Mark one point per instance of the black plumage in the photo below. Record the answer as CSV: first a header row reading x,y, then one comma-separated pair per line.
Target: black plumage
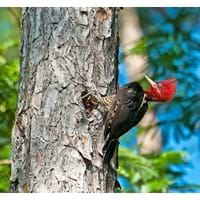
x,y
127,109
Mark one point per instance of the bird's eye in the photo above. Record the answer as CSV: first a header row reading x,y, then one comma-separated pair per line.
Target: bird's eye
x,y
160,85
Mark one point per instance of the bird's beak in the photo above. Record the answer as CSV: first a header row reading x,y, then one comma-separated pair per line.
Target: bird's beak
x,y
149,80
153,84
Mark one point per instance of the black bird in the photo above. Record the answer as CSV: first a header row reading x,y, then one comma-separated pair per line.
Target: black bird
x,y
126,110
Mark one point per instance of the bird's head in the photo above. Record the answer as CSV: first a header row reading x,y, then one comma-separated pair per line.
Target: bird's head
x,y
161,91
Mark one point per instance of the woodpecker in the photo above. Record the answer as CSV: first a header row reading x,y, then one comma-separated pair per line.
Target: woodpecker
x,y
127,108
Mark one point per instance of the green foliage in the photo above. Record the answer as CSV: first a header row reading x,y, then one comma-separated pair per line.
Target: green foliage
x,y
9,75
4,178
149,173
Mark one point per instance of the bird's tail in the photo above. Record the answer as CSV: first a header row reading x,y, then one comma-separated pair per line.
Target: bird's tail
x,y
109,150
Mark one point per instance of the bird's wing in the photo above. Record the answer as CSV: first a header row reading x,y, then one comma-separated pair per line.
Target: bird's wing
x,y
126,101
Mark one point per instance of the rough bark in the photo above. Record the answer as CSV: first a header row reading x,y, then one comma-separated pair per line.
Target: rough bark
x,y
56,144
130,33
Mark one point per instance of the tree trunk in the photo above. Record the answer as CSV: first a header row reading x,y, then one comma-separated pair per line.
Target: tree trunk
x,y
56,143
